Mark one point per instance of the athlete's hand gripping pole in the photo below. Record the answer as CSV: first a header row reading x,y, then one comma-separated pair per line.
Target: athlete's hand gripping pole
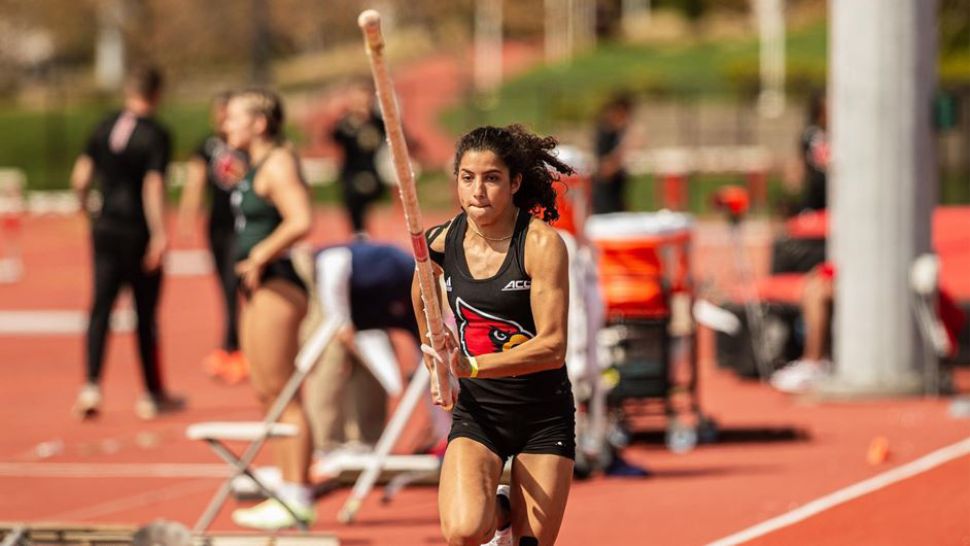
x,y
370,24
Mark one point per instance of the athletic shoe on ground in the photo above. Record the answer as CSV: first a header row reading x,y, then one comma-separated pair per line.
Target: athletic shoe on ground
x,y
620,467
150,406
271,515
270,476
801,376
502,537
88,402
328,464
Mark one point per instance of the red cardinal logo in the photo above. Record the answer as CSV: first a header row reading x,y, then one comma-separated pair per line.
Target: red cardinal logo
x,y
482,333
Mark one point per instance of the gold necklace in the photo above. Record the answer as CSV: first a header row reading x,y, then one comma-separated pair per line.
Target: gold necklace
x,y
483,236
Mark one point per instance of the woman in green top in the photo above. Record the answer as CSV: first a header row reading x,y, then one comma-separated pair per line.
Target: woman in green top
x,y
272,207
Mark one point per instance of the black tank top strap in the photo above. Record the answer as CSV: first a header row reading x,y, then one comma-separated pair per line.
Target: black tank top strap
x,y
431,235
518,238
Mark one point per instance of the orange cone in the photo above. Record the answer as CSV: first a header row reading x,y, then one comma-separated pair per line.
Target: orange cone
x,y
878,450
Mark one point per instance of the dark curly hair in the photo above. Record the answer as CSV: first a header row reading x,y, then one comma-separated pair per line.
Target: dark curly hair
x,y
526,154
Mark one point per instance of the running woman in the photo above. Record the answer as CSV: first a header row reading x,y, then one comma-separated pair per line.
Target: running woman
x,y
127,154
507,283
272,207
216,167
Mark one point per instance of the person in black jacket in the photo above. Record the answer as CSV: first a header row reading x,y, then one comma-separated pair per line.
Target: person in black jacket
x,y
127,154
360,134
216,167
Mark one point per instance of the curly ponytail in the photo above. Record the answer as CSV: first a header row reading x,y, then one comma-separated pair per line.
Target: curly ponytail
x,y
524,154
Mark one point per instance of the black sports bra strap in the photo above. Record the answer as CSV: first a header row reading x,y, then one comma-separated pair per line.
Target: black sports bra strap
x,y
431,235
519,236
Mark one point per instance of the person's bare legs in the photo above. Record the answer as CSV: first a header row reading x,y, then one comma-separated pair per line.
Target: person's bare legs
x,y
270,324
816,299
466,493
540,489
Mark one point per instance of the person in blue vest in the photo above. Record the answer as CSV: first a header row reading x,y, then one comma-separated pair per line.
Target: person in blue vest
x,y
367,286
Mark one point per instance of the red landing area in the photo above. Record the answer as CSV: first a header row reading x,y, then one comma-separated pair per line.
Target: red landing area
x,y
776,453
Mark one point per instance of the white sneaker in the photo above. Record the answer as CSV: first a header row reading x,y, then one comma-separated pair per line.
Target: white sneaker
x,y
149,406
88,403
502,537
801,376
272,515
244,486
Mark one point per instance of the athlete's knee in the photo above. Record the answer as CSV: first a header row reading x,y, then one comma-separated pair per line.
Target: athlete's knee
x,y
267,393
465,531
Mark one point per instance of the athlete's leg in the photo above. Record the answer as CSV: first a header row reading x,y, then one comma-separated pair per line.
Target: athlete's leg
x,y
367,400
107,283
325,394
270,342
355,204
466,493
816,299
220,244
540,488
146,289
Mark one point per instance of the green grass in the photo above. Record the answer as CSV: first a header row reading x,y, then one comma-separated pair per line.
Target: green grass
x,y
45,143
572,92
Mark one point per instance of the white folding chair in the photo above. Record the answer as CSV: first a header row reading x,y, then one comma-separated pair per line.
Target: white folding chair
x,y
216,434
924,280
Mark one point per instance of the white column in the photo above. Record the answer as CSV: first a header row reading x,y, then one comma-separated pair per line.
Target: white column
x,y
488,45
109,56
771,32
882,185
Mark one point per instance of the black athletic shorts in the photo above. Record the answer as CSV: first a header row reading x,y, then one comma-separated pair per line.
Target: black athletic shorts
x,y
548,428
278,269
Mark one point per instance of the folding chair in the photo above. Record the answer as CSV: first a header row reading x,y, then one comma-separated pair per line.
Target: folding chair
x,y
924,280
257,432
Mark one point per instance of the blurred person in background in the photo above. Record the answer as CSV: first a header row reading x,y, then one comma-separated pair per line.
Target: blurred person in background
x,y
366,286
815,365
611,143
213,169
815,152
359,134
127,154
272,208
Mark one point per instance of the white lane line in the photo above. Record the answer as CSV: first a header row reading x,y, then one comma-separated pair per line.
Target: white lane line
x,y
841,496
54,322
113,470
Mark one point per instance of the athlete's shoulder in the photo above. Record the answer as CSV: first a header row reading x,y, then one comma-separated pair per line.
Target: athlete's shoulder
x,y
543,235
283,160
544,248
155,126
437,235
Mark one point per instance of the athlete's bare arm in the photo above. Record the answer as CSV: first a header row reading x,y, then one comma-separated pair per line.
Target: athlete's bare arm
x,y
81,176
546,263
279,180
153,203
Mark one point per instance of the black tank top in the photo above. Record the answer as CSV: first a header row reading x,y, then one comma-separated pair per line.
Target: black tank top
x,y
494,315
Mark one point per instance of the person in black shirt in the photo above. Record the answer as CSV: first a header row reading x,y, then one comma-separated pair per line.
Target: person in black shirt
x,y
359,134
127,154
610,177
814,146
507,283
216,167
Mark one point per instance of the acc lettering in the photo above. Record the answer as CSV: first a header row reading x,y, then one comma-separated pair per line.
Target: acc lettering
x,y
517,285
